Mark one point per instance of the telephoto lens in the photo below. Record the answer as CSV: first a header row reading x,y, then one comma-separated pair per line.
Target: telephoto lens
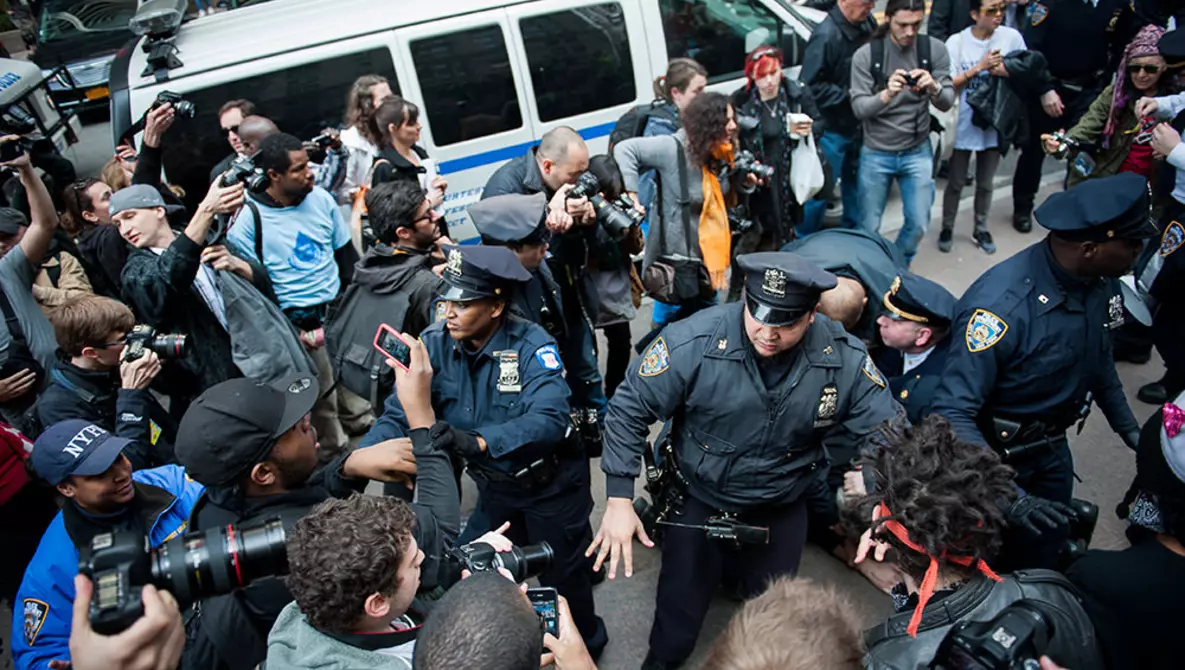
x,y
168,346
521,562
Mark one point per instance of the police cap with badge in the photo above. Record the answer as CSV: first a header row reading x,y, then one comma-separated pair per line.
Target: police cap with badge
x,y
476,272
781,287
1172,48
917,299
1118,207
511,219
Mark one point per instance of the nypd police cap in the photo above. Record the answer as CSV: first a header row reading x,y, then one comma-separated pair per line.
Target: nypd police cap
x,y
780,286
1097,210
917,299
1172,47
74,447
511,219
473,272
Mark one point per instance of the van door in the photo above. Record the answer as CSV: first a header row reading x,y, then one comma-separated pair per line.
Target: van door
x,y
585,62
467,83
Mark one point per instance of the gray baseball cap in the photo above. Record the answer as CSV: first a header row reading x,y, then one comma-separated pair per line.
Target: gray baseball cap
x,y
139,196
11,221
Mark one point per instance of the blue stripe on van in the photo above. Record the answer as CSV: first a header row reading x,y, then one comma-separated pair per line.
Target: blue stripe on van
x,y
514,151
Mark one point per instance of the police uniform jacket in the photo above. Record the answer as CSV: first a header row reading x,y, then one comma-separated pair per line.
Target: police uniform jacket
x,y
1080,40
914,390
511,392
1030,343
1073,643
42,616
738,444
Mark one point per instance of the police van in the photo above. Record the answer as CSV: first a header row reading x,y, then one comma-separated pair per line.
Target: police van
x,y
490,76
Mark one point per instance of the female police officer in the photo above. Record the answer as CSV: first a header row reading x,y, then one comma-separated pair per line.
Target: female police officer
x,y
760,394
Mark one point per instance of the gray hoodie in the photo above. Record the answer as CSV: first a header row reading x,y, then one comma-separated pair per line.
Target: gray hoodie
x,y
295,645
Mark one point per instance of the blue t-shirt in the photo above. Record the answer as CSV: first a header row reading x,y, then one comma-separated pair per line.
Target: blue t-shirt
x,y
298,246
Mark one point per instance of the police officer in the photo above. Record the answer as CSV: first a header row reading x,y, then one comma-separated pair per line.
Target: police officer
x,y
915,329
1035,351
753,390
501,404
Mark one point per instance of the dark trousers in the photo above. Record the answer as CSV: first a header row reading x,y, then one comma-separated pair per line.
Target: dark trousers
x,y
1045,473
558,515
1168,325
1027,179
617,359
692,566
23,520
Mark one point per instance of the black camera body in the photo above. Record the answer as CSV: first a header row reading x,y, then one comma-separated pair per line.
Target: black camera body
x,y
745,162
1014,639
910,80
739,221
191,567
144,338
14,149
184,108
244,171
616,217
521,562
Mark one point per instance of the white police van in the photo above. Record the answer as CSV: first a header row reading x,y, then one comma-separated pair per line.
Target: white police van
x,y
490,76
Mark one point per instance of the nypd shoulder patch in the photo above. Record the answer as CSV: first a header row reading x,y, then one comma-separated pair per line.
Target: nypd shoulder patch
x,y
36,612
984,330
1038,13
549,357
656,360
1173,238
871,371
439,313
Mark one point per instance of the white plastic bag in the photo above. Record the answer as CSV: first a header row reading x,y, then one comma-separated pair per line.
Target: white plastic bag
x,y
806,170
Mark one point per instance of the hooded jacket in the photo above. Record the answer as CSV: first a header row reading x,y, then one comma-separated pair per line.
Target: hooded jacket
x,y
386,270
295,645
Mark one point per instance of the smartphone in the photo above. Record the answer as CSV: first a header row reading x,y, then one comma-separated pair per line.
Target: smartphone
x,y
392,345
547,605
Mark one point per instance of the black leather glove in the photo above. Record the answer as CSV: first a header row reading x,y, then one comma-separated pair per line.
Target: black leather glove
x,y
447,438
1035,514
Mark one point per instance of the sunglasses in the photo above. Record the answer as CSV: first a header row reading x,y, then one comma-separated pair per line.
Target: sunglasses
x,y
1148,69
232,129
992,11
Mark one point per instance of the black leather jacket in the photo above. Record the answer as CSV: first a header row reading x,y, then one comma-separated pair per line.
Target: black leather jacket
x,y
1003,104
1072,645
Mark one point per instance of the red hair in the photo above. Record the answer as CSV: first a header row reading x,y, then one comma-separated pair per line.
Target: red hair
x,y
762,62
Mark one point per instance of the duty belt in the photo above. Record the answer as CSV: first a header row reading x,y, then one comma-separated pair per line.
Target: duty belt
x,y
1014,440
538,475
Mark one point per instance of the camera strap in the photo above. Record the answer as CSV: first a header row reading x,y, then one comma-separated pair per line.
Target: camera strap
x,y
15,331
258,223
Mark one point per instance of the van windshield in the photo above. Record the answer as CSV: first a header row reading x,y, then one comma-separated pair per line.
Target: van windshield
x,y
85,20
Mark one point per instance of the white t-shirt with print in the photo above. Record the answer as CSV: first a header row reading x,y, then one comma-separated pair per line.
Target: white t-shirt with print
x,y
965,53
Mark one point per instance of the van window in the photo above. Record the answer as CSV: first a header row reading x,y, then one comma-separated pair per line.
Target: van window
x,y
467,84
719,33
579,59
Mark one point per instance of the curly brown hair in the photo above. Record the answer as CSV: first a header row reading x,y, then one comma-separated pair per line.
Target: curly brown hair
x,y
705,119
950,495
343,552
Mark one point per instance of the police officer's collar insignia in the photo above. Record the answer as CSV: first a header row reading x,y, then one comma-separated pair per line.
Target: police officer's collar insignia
x,y
774,283
441,309
36,612
722,344
549,357
1037,13
508,379
656,360
871,371
1174,237
452,264
828,403
1042,299
1115,311
984,330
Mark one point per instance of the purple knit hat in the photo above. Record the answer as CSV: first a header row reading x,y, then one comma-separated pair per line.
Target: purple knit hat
x,y
1144,44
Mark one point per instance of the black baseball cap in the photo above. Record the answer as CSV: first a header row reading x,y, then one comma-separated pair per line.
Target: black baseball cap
x,y
235,424
11,221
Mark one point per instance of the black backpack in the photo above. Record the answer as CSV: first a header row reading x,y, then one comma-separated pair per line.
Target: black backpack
x,y
633,122
880,80
349,338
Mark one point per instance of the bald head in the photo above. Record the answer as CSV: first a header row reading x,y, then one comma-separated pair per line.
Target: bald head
x,y
844,303
562,157
252,131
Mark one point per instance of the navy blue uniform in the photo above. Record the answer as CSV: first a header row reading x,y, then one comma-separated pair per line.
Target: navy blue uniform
x,y
916,389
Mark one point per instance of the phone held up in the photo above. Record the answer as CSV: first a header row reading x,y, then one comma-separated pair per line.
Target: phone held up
x,y
547,605
392,345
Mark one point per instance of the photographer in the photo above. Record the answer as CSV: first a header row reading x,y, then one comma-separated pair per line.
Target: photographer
x,y
252,444
230,117
206,291
938,503
154,642
93,381
297,232
86,465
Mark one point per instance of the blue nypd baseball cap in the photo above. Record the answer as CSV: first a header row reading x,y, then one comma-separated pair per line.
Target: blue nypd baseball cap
x,y
75,447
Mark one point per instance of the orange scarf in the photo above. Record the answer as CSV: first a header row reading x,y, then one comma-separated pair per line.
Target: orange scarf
x,y
715,238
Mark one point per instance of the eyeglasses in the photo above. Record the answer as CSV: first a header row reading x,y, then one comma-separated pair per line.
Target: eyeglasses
x,y
992,11
232,129
1148,69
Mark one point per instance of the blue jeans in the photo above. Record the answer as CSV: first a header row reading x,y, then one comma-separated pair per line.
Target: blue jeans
x,y
843,155
914,172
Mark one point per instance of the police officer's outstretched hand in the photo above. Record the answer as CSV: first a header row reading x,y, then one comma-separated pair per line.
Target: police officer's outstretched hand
x,y
615,538
459,442
413,386
1037,514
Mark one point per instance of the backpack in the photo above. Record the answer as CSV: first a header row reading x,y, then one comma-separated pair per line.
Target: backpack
x,y
633,122
350,328
880,80
360,230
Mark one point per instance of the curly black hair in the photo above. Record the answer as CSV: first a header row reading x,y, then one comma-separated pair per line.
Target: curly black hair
x,y
705,119
343,552
950,495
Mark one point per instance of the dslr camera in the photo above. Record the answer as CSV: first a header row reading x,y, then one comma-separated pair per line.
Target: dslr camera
x,y
184,108
144,338
244,171
319,146
1014,639
1073,150
192,566
746,163
521,562
15,120
616,216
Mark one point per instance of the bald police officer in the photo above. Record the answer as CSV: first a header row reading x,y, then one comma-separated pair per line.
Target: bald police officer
x,y
759,393
1032,352
501,404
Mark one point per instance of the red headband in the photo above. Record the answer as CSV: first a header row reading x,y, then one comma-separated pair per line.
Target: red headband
x,y
931,579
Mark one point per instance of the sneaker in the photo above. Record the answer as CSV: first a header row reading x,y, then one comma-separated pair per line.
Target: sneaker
x,y
945,240
983,240
1023,222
